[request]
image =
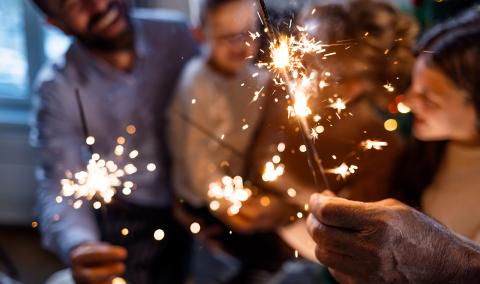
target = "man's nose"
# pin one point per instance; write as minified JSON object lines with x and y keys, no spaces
{"x":98,"y":6}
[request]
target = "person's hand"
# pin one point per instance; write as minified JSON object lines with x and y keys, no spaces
{"x":97,"y":263}
{"x":388,"y":242}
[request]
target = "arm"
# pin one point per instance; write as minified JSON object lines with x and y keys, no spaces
{"x":59,"y":142}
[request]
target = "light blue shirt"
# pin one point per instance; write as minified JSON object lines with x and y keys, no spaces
{"x":112,"y":99}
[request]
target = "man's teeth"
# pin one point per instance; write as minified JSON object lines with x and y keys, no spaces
{"x":107,"y":19}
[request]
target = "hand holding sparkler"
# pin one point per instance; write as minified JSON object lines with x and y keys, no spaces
{"x":97,"y":263}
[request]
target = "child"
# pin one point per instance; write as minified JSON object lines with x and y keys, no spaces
{"x":212,"y":122}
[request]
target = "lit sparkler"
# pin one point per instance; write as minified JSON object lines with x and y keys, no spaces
{"x":287,"y":62}
{"x":231,"y":190}
{"x":101,"y":179}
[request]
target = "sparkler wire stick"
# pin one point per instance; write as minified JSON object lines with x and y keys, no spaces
{"x":314,"y":161}
{"x":209,"y":134}
{"x":83,"y":119}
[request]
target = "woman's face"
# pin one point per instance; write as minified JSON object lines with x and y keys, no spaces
{"x":442,"y":111}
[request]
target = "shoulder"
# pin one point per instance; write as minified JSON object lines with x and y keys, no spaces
{"x":194,"y":75}
{"x":56,"y":75}
{"x":161,"y":22}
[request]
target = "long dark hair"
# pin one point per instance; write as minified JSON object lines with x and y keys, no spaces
{"x":454,"y":49}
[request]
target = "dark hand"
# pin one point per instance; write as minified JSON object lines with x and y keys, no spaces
{"x":388,"y":242}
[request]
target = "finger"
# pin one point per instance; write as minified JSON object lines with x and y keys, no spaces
{"x":340,"y":241}
{"x":98,"y":254}
{"x":98,"y":274}
{"x":336,"y":261}
{"x":328,"y":193}
{"x":340,"y":277}
{"x":339,"y":212}
{"x":389,"y":202}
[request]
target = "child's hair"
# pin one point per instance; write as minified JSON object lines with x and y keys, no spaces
{"x":209,"y":6}
{"x":379,"y":37}
{"x":453,"y":48}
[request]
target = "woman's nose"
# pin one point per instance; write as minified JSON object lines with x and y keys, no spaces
{"x":411,"y":100}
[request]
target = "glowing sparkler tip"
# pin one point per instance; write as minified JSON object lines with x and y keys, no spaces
{"x":373,"y":145}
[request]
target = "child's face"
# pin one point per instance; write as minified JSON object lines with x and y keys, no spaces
{"x":442,"y":111}
{"x":227,"y":35}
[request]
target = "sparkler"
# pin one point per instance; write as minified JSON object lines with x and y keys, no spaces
{"x":287,"y":54}
{"x":100,"y":179}
{"x":231,"y":190}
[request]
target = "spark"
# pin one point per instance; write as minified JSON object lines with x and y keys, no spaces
{"x":343,"y":170}
{"x":133,"y":154}
{"x":339,"y":105}
{"x":319,"y":129}
{"x":158,"y":235}
{"x":271,"y":172}
{"x":231,"y":190}
{"x":323,"y":84}
{"x":151,"y":167}
{"x":292,"y":192}
{"x":314,"y":134}
{"x":303,"y":148}
{"x":265,"y":201}
{"x":195,"y":228}
{"x":389,"y":87}
{"x":90,"y":140}
{"x":131,"y":129}
{"x":391,"y":125}
{"x":403,"y":108}
{"x":373,"y":145}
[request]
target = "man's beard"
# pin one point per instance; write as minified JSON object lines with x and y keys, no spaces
{"x":121,"y":42}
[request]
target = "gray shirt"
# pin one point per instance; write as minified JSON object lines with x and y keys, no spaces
{"x":112,"y":100}
{"x":227,"y":109}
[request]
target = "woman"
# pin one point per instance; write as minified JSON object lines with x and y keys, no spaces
{"x":440,"y":171}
